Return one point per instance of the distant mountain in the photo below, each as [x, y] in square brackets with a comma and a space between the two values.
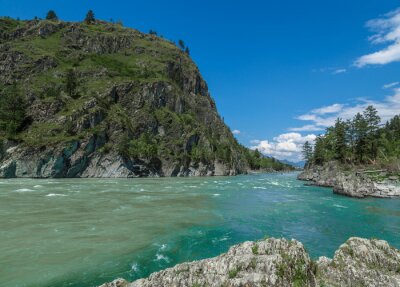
[299, 164]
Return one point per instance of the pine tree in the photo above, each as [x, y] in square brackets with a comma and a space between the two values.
[373, 121]
[319, 150]
[360, 133]
[51, 15]
[181, 44]
[187, 51]
[71, 83]
[307, 152]
[340, 147]
[12, 110]
[89, 19]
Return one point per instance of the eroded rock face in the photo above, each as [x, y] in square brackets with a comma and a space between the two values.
[128, 84]
[279, 262]
[273, 262]
[361, 262]
[350, 183]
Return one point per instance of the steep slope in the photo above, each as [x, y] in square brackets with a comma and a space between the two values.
[102, 100]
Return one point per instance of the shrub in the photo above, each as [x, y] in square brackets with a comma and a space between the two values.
[51, 15]
[12, 110]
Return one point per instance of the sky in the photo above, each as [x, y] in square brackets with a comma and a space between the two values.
[279, 71]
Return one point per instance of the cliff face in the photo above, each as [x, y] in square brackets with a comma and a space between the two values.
[138, 105]
[279, 262]
[353, 183]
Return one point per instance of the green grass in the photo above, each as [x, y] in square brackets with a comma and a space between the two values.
[234, 272]
[46, 133]
[254, 249]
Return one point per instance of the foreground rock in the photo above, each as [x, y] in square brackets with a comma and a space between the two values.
[352, 183]
[280, 262]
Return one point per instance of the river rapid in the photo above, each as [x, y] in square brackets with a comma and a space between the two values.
[83, 232]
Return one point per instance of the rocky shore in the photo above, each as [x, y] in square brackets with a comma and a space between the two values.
[354, 183]
[281, 262]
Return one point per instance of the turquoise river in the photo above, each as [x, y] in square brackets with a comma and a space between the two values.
[83, 232]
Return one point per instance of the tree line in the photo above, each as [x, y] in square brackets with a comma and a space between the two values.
[89, 18]
[361, 140]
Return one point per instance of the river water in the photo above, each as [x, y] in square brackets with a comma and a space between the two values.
[83, 232]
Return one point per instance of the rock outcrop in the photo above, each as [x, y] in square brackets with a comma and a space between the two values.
[280, 262]
[139, 107]
[352, 183]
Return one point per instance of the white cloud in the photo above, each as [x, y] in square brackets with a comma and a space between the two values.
[390, 85]
[387, 31]
[285, 146]
[339, 71]
[289, 145]
[236, 132]
[332, 70]
[328, 109]
[307, 128]
[325, 116]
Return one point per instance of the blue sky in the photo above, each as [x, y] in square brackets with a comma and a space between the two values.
[280, 71]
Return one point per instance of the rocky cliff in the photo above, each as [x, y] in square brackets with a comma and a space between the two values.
[280, 262]
[102, 100]
[353, 182]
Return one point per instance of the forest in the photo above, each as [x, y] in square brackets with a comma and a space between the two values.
[363, 140]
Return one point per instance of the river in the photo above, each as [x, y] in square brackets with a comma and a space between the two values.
[83, 232]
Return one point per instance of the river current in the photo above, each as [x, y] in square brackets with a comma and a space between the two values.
[83, 232]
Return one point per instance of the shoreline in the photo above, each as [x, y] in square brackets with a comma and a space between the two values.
[351, 183]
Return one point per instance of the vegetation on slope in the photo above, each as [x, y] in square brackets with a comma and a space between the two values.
[64, 82]
[362, 141]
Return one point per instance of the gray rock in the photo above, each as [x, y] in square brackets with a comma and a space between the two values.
[350, 183]
[280, 262]
[273, 262]
[361, 262]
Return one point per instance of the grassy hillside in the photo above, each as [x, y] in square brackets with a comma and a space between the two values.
[110, 90]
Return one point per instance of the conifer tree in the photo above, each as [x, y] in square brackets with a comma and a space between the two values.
[181, 44]
[12, 110]
[89, 19]
[71, 83]
[51, 15]
[307, 152]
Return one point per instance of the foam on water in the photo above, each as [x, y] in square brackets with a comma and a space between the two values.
[135, 267]
[132, 227]
[24, 190]
[161, 257]
[339, 206]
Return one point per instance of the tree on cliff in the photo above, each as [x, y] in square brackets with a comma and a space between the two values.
[360, 140]
[181, 44]
[71, 83]
[51, 15]
[12, 110]
[340, 140]
[89, 19]
[307, 151]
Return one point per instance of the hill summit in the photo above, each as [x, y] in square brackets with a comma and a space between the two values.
[96, 99]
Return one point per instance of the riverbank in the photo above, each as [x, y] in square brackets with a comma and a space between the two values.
[355, 182]
[281, 262]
